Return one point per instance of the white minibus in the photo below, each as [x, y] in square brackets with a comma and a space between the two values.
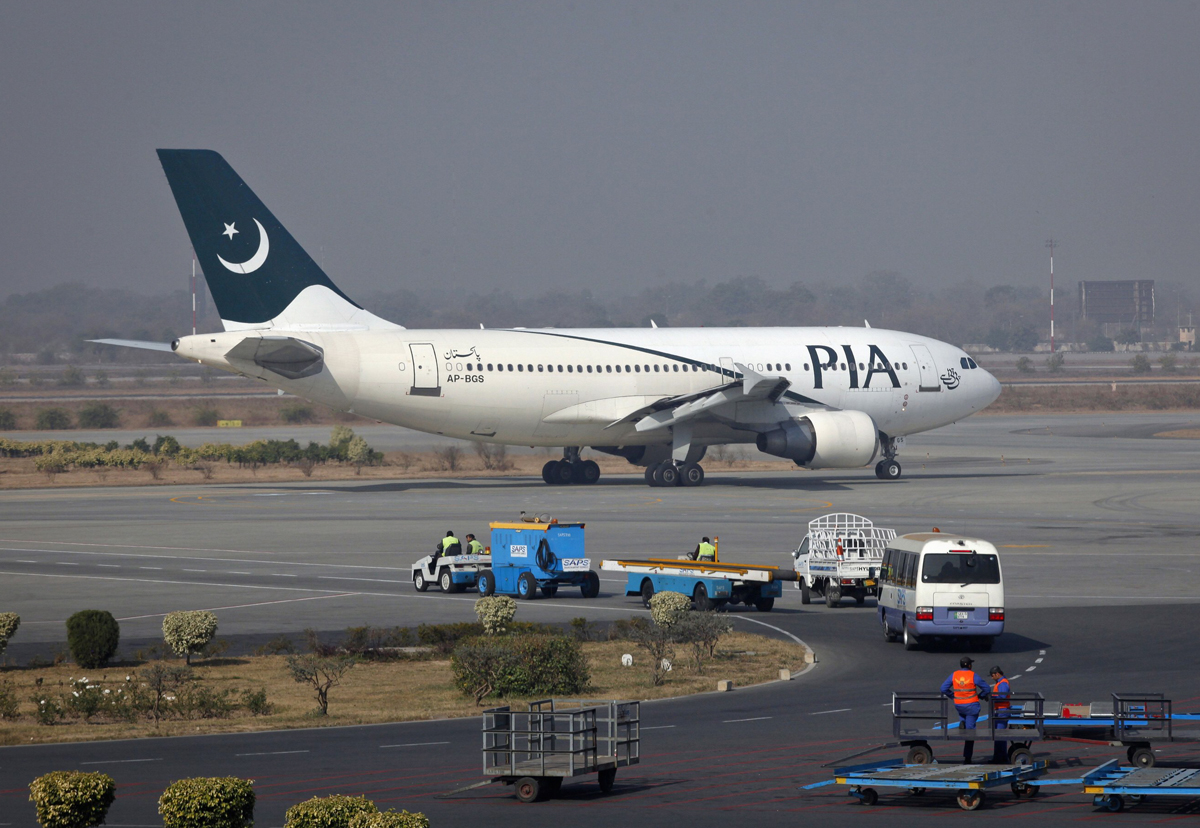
[936, 585]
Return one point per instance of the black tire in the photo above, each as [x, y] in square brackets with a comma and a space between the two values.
[764, 604]
[552, 785]
[1020, 756]
[527, 587]
[650, 475]
[563, 474]
[891, 470]
[549, 590]
[860, 597]
[419, 581]
[700, 599]
[549, 470]
[911, 642]
[486, 584]
[1114, 804]
[587, 472]
[647, 592]
[1142, 757]
[879, 469]
[669, 475]
[805, 594]
[608, 778]
[692, 474]
[889, 634]
[868, 796]
[446, 582]
[919, 755]
[590, 587]
[970, 800]
[833, 596]
[656, 475]
[528, 789]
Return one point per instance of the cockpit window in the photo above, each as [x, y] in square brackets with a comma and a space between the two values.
[971, 362]
[963, 362]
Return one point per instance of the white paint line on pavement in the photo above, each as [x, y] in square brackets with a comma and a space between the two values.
[244, 606]
[367, 580]
[62, 563]
[150, 567]
[109, 566]
[1030, 669]
[418, 744]
[231, 572]
[1038, 660]
[752, 719]
[659, 727]
[195, 570]
[119, 761]
[180, 557]
[839, 710]
[282, 575]
[273, 753]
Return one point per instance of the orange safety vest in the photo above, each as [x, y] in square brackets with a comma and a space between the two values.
[1000, 687]
[963, 685]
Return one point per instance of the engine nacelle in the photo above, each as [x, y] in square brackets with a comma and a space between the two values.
[825, 440]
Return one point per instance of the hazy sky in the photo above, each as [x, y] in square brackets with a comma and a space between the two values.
[528, 146]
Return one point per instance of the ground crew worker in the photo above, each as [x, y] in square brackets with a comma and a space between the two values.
[705, 551]
[474, 547]
[965, 688]
[448, 545]
[1001, 710]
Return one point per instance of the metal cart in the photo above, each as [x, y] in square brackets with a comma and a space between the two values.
[1131, 720]
[559, 739]
[967, 781]
[918, 719]
[1112, 786]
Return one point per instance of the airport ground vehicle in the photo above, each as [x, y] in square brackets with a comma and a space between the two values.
[532, 556]
[557, 740]
[937, 585]
[1112, 786]
[710, 584]
[841, 557]
[968, 782]
[452, 573]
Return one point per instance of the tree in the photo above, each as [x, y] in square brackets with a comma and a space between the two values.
[9, 621]
[358, 453]
[1140, 364]
[1055, 362]
[93, 636]
[163, 681]
[189, 632]
[321, 673]
[1129, 336]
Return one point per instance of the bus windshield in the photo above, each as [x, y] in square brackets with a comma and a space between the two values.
[960, 568]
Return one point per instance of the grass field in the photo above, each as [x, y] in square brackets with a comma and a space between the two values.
[375, 692]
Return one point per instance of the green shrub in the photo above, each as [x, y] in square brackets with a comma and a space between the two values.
[296, 413]
[159, 418]
[1025, 365]
[527, 665]
[71, 377]
[98, 415]
[72, 799]
[189, 632]
[8, 420]
[443, 638]
[390, 819]
[9, 621]
[328, 811]
[208, 802]
[495, 613]
[667, 608]
[1140, 364]
[52, 419]
[165, 446]
[255, 702]
[93, 636]
[10, 708]
[205, 416]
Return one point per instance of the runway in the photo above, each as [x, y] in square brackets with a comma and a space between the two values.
[1095, 517]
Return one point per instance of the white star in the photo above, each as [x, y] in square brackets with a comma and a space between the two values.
[230, 230]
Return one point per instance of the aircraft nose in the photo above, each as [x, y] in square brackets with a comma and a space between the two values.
[993, 388]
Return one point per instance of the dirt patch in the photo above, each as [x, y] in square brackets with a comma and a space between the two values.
[1065, 399]
[1181, 434]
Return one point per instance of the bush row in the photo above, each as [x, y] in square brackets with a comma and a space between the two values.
[528, 665]
[74, 799]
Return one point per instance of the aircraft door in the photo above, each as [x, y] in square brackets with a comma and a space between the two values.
[927, 367]
[727, 370]
[425, 369]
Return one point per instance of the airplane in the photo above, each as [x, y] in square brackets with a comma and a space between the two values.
[823, 397]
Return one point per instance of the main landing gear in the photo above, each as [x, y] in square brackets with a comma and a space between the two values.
[888, 468]
[570, 469]
[670, 473]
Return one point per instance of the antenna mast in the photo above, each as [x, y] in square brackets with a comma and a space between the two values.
[1051, 244]
[193, 293]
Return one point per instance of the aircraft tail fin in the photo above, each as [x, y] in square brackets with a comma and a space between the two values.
[258, 275]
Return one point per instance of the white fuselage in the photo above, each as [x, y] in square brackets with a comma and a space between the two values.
[567, 387]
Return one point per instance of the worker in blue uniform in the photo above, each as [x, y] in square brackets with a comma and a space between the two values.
[1001, 710]
[966, 689]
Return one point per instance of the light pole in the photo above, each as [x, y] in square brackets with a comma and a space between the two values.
[1051, 244]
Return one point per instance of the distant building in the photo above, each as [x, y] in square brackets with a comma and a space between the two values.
[1187, 336]
[1129, 302]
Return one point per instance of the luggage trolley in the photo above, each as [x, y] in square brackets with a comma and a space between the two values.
[1112, 785]
[559, 739]
[1134, 721]
[967, 781]
[921, 718]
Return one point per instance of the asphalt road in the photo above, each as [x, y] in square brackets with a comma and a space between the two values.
[1097, 521]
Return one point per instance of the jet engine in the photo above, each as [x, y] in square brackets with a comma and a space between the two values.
[824, 440]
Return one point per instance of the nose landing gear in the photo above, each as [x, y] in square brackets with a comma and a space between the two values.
[888, 468]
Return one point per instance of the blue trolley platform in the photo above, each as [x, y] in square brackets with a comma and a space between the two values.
[968, 782]
[1113, 786]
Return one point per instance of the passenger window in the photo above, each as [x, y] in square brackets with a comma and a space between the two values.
[656, 369]
[568, 369]
[470, 366]
[531, 369]
[861, 367]
[520, 367]
[608, 368]
[905, 364]
[589, 369]
[560, 369]
[647, 369]
[539, 369]
[806, 366]
[510, 366]
[626, 369]
[489, 366]
[618, 369]
[637, 368]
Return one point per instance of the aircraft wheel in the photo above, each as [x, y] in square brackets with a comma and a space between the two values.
[888, 470]
[692, 474]
[669, 475]
[564, 474]
[650, 475]
[879, 469]
[655, 473]
[587, 472]
[550, 472]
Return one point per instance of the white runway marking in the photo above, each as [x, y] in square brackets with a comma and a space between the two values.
[368, 580]
[195, 570]
[1030, 669]
[119, 761]
[1038, 660]
[839, 710]
[753, 719]
[109, 566]
[61, 563]
[256, 604]
[159, 568]
[180, 557]
[272, 753]
[416, 744]
[659, 727]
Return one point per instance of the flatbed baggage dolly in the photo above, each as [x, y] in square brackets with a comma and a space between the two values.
[968, 782]
[555, 740]
[1112, 786]
[710, 585]
[919, 719]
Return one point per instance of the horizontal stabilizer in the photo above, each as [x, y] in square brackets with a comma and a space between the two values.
[135, 343]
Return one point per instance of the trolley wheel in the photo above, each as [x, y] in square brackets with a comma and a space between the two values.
[700, 599]
[833, 595]
[1114, 804]
[860, 597]
[911, 642]
[527, 586]
[528, 788]
[486, 583]
[970, 800]
[764, 604]
[552, 785]
[587, 472]
[647, 592]
[1137, 799]
[608, 778]
[920, 754]
[549, 591]
[1020, 789]
[446, 582]
[868, 796]
[590, 587]
[805, 595]
[917, 791]
[1020, 756]
[1142, 757]
[889, 634]
[419, 581]
[549, 470]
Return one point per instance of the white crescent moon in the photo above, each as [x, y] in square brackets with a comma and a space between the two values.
[256, 261]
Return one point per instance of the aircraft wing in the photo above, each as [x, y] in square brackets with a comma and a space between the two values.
[135, 343]
[716, 401]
